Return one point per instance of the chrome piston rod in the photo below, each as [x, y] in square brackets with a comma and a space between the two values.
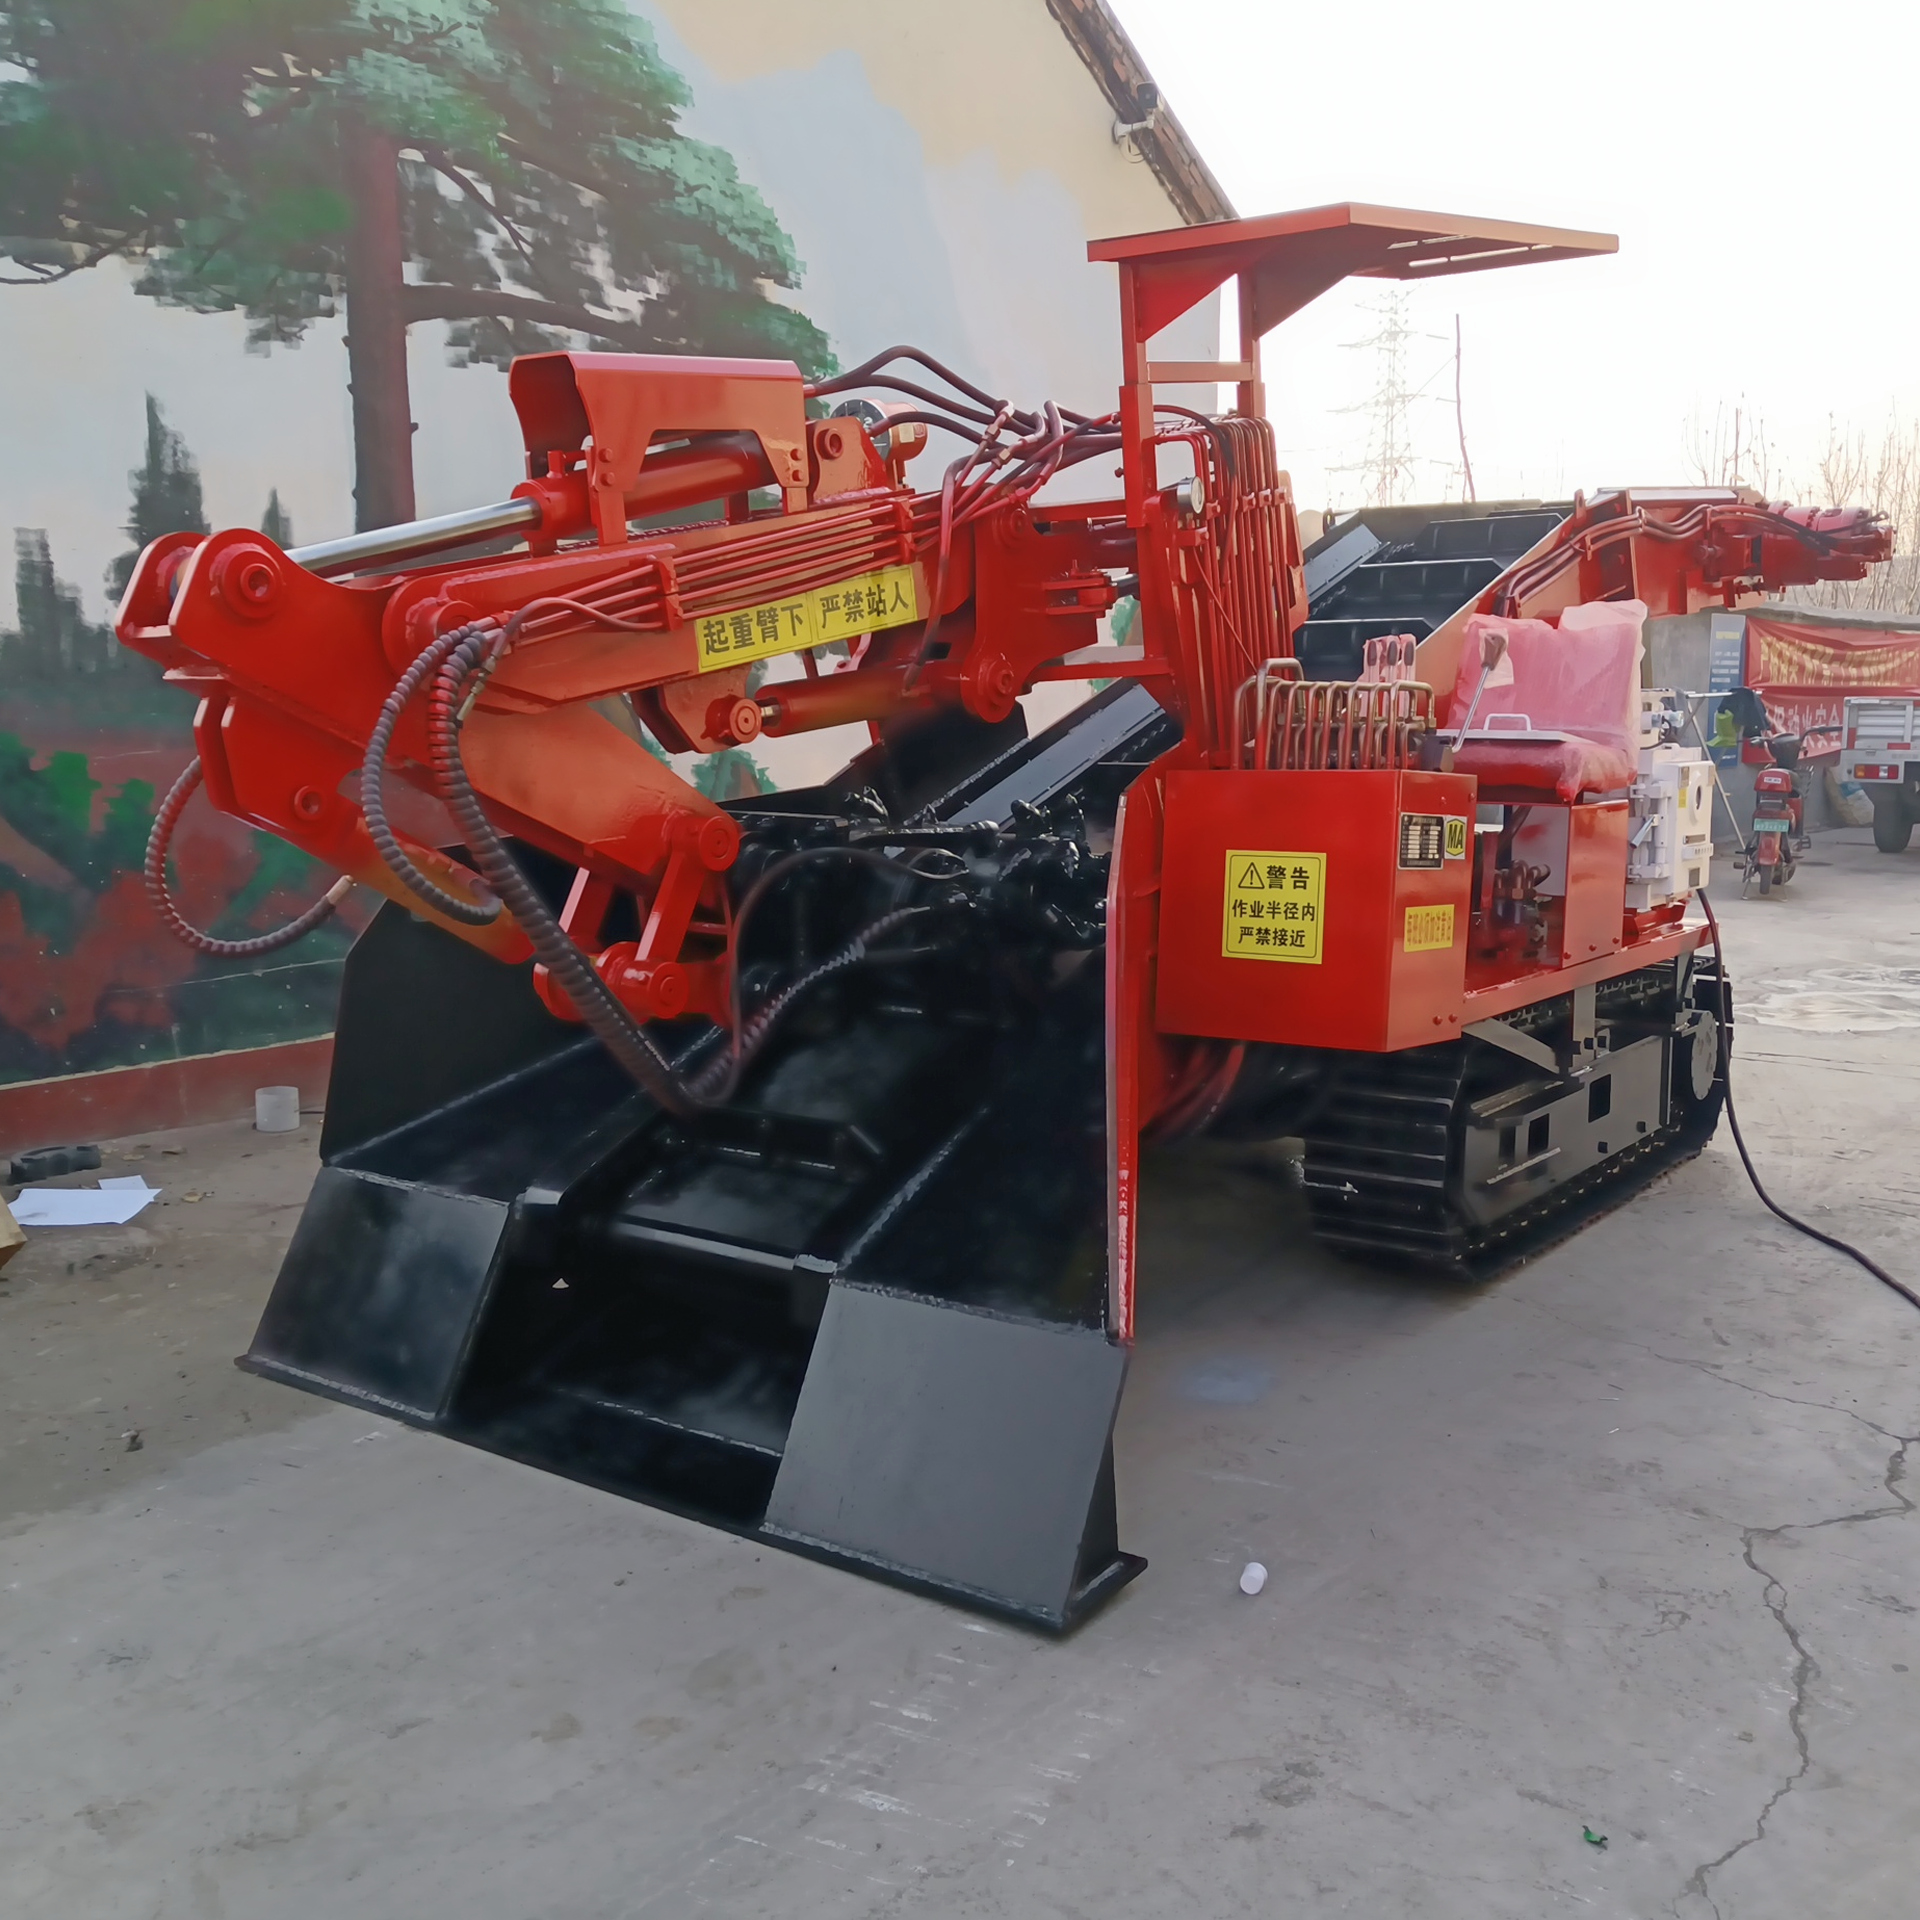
[684, 472]
[413, 538]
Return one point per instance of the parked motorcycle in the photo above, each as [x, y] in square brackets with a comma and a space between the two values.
[1779, 818]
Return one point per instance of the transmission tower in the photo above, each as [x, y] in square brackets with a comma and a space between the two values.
[1387, 470]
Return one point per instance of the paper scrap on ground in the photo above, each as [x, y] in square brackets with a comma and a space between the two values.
[111, 1204]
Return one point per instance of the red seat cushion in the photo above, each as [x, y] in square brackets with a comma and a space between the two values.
[1566, 768]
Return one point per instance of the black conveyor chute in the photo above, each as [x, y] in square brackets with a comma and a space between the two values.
[860, 1313]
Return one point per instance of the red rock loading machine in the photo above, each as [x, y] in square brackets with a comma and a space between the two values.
[776, 1162]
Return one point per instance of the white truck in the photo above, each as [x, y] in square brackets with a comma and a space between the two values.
[1882, 752]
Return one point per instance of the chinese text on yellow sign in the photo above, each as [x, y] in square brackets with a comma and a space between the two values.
[1429, 929]
[862, 603]
[1275, 906]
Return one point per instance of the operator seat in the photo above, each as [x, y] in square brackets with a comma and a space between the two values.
[1564, 703]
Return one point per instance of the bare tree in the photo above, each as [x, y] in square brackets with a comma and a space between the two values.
[1734, 450]
[1884, 474]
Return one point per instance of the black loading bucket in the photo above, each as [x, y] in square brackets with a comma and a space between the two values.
[861, 1313]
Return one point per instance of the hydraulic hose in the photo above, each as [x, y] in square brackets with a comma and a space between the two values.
[718, 1079]
[373, 803]
[865, 375]
[595, 1002]
[1886, 1279]
[155, 873]
[572, 971]
[742, 1050]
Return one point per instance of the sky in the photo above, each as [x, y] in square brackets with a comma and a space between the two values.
[1757, 162]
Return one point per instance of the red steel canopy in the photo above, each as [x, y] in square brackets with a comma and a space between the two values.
[1282, 261]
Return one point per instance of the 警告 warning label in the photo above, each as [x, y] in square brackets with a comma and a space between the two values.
[862, 603]
[1429, 929]
[1275, 908]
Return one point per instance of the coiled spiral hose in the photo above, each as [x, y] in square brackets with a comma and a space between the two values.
[155, 874]
[373, 769]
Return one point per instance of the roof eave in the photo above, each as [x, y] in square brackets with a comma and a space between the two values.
[1115, 63]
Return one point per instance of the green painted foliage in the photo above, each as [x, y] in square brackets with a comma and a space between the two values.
[731, 774]
[52, 807]
[276, 523]
[54, 644]
[166, 495]
[549, 194]
[55, 654]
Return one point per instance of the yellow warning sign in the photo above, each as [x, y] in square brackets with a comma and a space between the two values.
[1429, 928]
[861, 603]
[1456, 836]
[1275, 907]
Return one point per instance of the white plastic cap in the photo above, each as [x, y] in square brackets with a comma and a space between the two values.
[1253, 1576]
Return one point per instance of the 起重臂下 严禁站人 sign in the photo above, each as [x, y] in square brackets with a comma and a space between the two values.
[861, 603]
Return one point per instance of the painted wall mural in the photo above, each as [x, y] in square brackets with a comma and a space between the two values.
[264, 264]
[90, 736]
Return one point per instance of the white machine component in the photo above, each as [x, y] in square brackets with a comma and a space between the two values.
[1670, 831]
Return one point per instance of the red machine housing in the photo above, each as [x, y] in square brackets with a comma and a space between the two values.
[1354, 869]
[1309, 867]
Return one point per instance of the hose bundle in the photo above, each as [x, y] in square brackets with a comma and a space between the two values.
[457, 664]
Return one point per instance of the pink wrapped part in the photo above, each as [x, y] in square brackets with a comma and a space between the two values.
[1579, 678]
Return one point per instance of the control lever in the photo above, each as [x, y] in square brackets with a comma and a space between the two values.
[1493, 649]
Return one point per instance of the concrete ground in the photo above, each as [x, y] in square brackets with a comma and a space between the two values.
[1621, 1546]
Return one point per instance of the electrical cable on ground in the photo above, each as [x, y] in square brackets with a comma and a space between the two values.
[1907, 1293]
[1726, 1067]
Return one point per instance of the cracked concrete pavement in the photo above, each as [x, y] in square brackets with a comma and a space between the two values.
[1805, 1669]
[1620, 1544]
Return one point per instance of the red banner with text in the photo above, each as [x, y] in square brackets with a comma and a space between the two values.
[1804, 671]
[1783, 653]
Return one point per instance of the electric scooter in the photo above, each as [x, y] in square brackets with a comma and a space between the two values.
[1779, 818]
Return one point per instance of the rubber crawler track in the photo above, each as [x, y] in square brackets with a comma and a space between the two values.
[1380, 1167]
